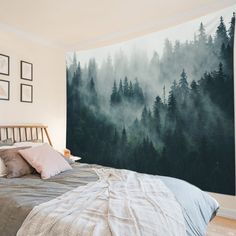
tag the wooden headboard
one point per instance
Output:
(22, 133)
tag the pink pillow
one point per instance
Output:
(45, 160)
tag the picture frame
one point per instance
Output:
(4, 64)
(26, 69)
(26, 93)
(4, 90)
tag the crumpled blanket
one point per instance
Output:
(121, 202)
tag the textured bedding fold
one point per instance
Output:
(121, 202)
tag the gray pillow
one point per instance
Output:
(15, 164)
(6, 142)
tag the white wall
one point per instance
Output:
(49, 86)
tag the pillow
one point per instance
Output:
(7, 147)
(27, 143)
(16, 166)
(6, 142)
(3, 168)
(45, 160)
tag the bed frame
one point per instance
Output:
(24, 133)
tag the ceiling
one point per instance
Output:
(83, 24)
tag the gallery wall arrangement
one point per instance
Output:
(26, 73)
(160, 104)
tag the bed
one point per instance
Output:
(20, 198)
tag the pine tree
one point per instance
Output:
(144, 116)
(157, 108)
(223, 52)
(126, 87)
(221, 35)
(113, 98)
(131, 91)
(202, 34)
(92, 97)
(210, 42)
(120, 91)
(220, 73)
(174, 88)
(177, 47)
(115, 139)
(154, 65)
(123, 136)
(74, 64)
(149, 116)
(172, 107)
(168, 50)
(156, 113)
(75, 85)
(231, 30)
(183, 86)
(138, 92)
(194, 86)
(92, 69)
(164, 95)
(92, 86)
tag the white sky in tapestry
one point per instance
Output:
(155, 41)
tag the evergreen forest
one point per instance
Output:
(168, 115)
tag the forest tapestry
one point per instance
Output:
(160, 104)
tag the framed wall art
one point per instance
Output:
(26, 70)
(26, 92)
(4, 90)
(4, 64)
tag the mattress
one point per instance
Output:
(19, 196)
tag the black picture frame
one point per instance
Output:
(2, 57)
(26, 75)
(23, 91)
(7, 98)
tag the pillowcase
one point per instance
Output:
(6, 142)
(7, 147)
(16, 166)
(3, 168)
(45, 160)
(27, 144)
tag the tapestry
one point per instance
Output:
(161, 104)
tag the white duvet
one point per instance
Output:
(121, 202)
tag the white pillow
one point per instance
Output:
(6, 147)
(27, 144)
(3, 169)
(45, 160)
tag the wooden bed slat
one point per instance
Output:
(37, 135)
(20, 133)
(12, 130)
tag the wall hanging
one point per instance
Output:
(26, 70)
(160, 104)
(4, 90)
(4, 64)
(26, 92)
